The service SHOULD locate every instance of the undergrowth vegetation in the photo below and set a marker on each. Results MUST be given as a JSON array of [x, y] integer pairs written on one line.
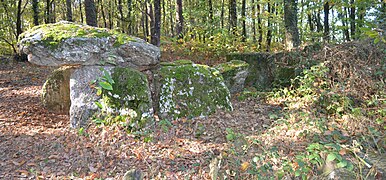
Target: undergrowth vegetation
[[333, 119]]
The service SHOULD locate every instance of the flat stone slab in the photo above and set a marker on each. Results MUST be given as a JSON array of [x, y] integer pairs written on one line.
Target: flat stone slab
[[66, 43]]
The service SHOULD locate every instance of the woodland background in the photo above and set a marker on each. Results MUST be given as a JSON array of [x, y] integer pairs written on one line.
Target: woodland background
[[210, 28]]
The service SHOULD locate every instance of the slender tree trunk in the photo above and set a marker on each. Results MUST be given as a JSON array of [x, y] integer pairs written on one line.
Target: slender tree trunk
[[69, 10], [269, 32], [352, 19], [222, 13], [81, 12], [48, 4], [143, 25], [35, 9], [259, 26], [151, 17], [91, 16], [210, 4], [172, 8], [319, 26], [129, 19], [53, 12], [180, 20], [103, 13], [164, 17], [156, 37], [120, 22], [326, 25], [291, 24], [243, 20], [18, 19], [253, 20], [345, 24], [233, 16]]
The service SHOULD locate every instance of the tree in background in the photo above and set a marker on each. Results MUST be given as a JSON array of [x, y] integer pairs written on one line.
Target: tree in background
[[209, 25], [35, 9], [69, 10], [291, 24], [180, 20], [156, 35], [91, 16]]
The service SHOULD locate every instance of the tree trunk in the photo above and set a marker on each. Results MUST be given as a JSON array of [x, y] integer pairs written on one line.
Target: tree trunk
[[103, 13], [172, 7], [345, 24], [222, 13], [81, 11], [253, 20], [291, 24], [91, 16], [352, 19], [48, 11], [319, 26], [129, 11], [269, 32], [233, 16], [180, 20], [259, 26], [18, 20], [326, 9], [120, 22], [156, 37], [210, 4], [243, 21], [35, 9], [69, 10]]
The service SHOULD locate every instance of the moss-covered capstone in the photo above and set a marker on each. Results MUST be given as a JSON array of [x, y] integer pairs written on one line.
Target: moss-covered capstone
[[191, 90], [234, 73], [56, 90], [67, 43]]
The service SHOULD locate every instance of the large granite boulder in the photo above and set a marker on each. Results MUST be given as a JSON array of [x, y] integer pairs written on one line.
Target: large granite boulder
[[234, 73], [191, 90], [66, 43], [56, 90]]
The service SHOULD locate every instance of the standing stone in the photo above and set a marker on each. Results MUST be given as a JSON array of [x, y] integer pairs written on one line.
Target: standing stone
[[191, 90], [83, 96], [56, 90], [234, 73]]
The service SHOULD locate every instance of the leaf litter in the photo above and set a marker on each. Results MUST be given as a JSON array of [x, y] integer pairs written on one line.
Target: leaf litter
[[36, 143]]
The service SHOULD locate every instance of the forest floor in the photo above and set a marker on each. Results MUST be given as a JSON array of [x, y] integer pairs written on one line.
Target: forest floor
[[35, 143]]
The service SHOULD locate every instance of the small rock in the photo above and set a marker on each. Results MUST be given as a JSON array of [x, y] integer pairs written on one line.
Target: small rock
[[133, 174]]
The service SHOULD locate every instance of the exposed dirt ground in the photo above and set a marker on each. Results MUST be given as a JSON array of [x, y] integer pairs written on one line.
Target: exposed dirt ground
[[37, 144]]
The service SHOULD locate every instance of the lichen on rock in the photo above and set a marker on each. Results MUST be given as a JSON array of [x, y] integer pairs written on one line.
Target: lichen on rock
[[234, 73], [191, 90]]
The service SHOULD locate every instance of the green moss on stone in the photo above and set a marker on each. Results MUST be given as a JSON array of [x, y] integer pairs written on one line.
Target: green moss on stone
[[232, 66], [54, 34], [177, 63], [191, 90], [130, 91]]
